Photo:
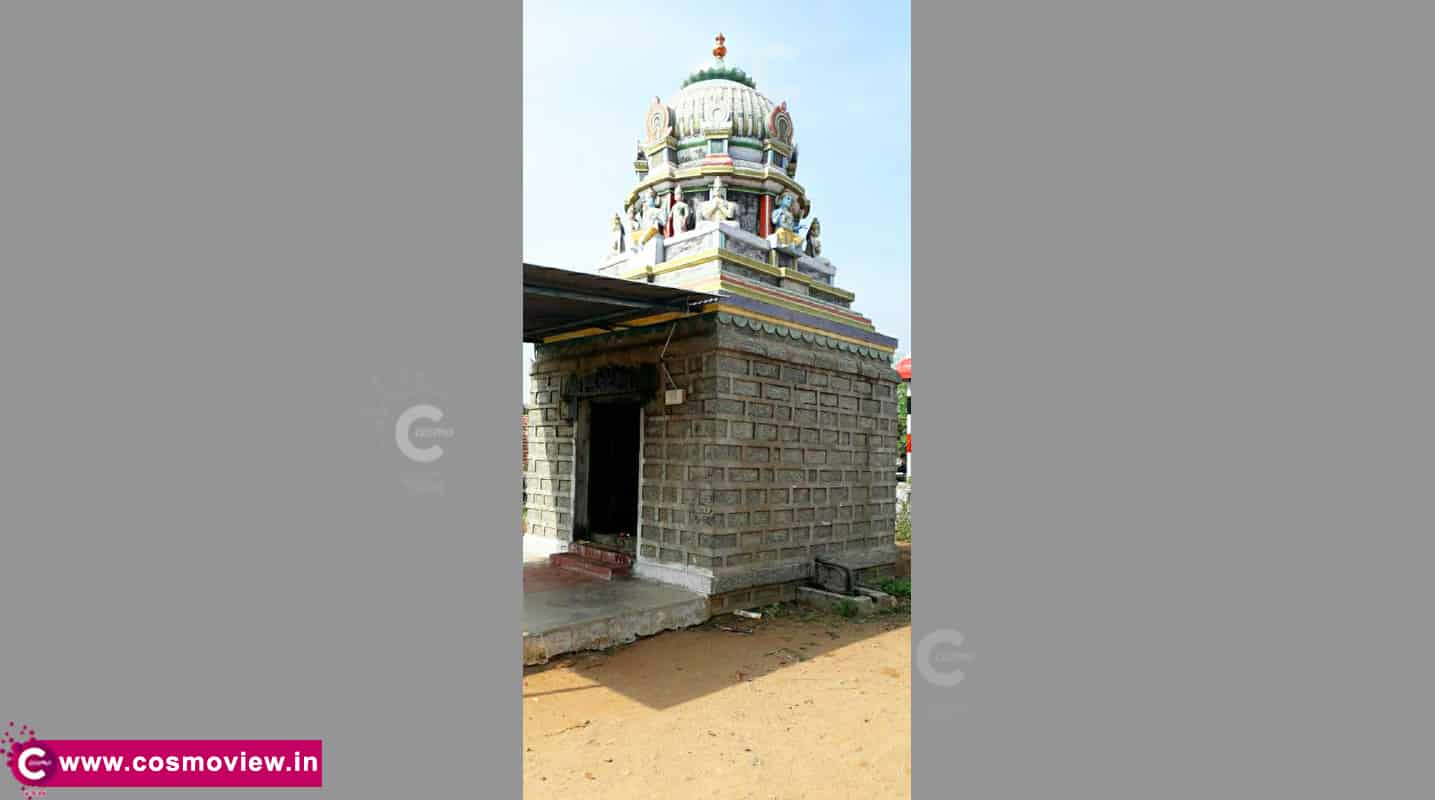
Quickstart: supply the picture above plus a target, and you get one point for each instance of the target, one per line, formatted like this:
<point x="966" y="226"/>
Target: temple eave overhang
<point x="762" y="317"/>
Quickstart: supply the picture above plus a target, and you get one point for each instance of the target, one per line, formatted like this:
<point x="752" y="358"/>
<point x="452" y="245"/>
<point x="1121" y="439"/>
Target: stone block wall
<point x="790" y="456"/>
<point x="784" y="450"/>
<point x="548" y="470"/>
<point x="554" y="460"/>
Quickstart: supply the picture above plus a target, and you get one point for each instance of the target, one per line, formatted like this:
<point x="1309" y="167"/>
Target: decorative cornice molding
<point x="742" y="318"/>
<point x="774" y="297"/>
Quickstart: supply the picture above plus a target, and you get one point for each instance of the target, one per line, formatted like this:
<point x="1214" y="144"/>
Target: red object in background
<point x="904" y="368"/>
<point x="909" y="442"/>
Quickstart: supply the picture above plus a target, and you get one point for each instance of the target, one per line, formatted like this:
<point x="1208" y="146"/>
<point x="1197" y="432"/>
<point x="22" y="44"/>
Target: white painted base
<point x="648" y="255"/>
<point x="732" y="230"/>
<point x="541" y="547"/>
<point x="613" y="264"/>
<point x="698" y="231"/>
<point x="675" y="576"/>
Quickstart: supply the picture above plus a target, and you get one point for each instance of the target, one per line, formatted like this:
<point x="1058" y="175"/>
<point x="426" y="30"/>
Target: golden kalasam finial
<point x="720" y="50"/>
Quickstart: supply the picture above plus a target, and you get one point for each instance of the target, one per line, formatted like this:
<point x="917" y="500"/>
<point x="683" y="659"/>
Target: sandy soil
<point x="807" y="705"/>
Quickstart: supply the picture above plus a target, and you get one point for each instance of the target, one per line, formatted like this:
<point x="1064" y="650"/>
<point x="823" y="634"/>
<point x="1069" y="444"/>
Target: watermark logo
<point x="411" y="420"/>
<point x="939" y="656"/>
<point x="35" y="762"/>
<point x="38" y="766"/>
<point x="31" y="761"/>
<point x="406" y="432"/>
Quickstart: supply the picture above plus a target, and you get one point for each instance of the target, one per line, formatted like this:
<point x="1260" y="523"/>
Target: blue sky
<point x="844" y="69"/>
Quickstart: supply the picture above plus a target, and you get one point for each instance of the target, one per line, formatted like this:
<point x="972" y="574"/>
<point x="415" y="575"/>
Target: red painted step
<point x="605" y="570"/>
<point x="593" y="552"/>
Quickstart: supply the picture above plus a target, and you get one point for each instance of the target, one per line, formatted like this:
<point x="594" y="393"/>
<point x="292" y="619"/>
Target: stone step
<point x="601" y="554"/>
<point x="587" y="566"/>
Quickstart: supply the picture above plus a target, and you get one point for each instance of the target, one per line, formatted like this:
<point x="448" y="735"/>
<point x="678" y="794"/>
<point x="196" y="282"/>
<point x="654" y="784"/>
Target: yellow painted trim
<point x="715" y="284"/>
<point x="777" y="272"/>
<point x="775" y="145"/>
<point x="751" y="263"/>
<point x="706" y="256"/>
<point x="693" y="260"/>
<point x="812" y="312"/>
<point x="817" y="285"/>
<point x="713" y="309"/>
<point x="642" y="322"/>
<point x="656" y="319"/>
<point x="743" y="312"/>
<point x="778" y="297"/>
<point x="653" y="148"/>
<point x="774" y="295"/>
<point x="840" y="315"/>
<point x="782" y="272"/>
<point x="573" y="335"/>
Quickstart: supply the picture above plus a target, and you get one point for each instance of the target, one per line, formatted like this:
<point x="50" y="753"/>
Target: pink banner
<point x="166" y="763"/>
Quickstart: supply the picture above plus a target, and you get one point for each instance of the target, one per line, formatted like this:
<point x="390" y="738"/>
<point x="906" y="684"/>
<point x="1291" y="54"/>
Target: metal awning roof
<point x="561" y="301"/>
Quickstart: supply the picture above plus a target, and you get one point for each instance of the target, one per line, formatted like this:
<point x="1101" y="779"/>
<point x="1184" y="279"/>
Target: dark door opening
<point x="613" y="473"/>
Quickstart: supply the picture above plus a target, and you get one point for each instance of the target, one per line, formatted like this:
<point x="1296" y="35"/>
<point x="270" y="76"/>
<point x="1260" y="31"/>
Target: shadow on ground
<point x="724" y="652"/>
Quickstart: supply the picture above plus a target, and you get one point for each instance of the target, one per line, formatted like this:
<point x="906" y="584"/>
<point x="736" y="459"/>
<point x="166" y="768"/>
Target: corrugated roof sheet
<point x="559" y="301"/>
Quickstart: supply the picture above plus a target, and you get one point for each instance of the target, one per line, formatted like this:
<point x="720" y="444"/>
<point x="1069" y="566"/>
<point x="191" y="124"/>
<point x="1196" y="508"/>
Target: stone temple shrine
<point x="726" y="441"/>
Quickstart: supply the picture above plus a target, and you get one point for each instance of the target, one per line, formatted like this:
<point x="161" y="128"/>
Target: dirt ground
<point x="806" y="705"/>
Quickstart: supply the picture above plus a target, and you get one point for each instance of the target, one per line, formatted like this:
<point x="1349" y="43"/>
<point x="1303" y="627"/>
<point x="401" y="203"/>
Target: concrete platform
<point x="564" y="612"/>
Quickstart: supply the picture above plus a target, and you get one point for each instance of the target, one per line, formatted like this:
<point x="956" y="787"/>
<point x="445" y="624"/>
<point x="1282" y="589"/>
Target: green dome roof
<point x="721" y="71"/>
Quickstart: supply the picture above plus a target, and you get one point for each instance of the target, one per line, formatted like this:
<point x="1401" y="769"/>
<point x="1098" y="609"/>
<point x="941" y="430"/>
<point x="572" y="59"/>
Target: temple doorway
<point x="611" y="485"/>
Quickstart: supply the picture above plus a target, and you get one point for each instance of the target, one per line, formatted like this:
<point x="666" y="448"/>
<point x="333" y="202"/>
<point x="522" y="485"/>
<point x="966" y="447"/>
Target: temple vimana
<point x="724" y="447"/>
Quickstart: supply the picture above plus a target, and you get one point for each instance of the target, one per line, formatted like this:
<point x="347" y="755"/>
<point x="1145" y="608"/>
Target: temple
<point x="743" y="424"/>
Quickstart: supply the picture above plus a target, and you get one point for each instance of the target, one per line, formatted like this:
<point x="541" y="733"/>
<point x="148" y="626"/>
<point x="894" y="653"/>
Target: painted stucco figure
<point x="784" y="222"/>
<point x="634" y="223"/>
<point x="680" y="211"/>
<point x="814" y="239"/>
<point x="654" y="217"/>
<point x="717" y="208"/>
<point x="615" y="243"/>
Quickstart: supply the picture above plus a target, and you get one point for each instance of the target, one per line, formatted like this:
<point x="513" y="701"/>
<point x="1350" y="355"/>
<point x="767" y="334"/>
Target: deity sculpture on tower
<point x="679" y="212"/>
<point x="718" y="207"/>
<point x="654" y="217"/>
<point x="615" y="244"/>
<point x="632" y="223"/>
<point x="784" y="222"/>
<point x="814" y="239"/>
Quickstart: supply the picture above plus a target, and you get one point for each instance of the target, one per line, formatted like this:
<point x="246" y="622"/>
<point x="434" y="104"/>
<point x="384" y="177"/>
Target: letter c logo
<point x="402" y="433"/>
<point x="931" y="668"/>
<point x="22" y="763"/>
